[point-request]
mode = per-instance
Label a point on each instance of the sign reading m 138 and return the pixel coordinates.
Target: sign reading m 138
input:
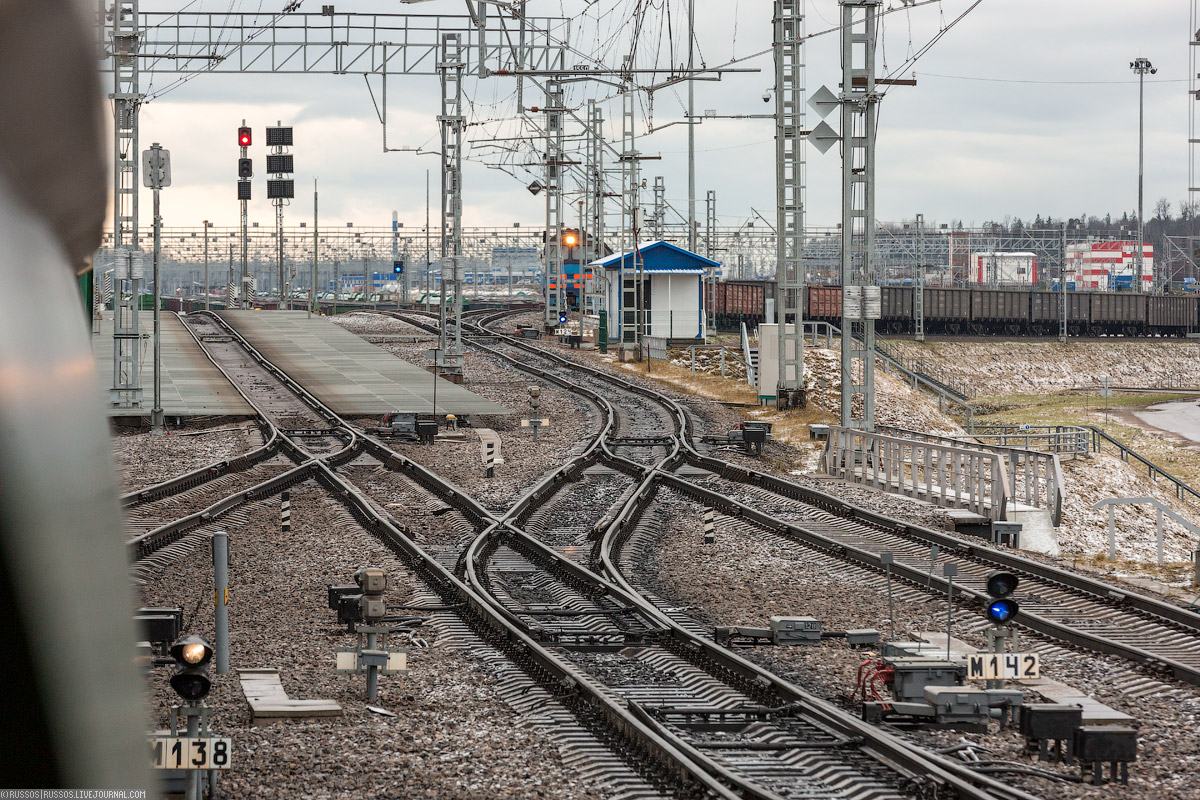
(1002, 666)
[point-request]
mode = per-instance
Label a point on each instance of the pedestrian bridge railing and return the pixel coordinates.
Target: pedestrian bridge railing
(1034, 477)
(946, 473)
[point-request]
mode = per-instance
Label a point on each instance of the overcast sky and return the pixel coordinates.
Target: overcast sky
(1023, 107)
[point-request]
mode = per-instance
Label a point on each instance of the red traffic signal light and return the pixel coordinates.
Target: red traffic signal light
(243, 137)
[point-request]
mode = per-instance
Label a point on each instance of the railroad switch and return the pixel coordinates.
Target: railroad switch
(787, 631)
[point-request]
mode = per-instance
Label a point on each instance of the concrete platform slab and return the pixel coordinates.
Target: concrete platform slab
(347, 373)
(191, 385)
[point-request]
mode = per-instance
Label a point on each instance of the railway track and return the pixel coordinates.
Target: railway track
(1066, 607)
(548, 591)
(539, 567)
(637, 739)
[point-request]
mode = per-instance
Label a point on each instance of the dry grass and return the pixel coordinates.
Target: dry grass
(1173, 453)
(680, 378)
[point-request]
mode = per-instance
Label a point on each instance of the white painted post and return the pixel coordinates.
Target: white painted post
(1158, 532)
(1112, 534)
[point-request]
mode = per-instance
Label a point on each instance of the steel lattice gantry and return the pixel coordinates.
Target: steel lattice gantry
(858, 101)
(191, 43)
(555, 159)
(451, 123)
(789, 197)
(126, 389)
(342, 43)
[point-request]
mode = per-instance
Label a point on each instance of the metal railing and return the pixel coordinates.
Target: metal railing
(1079, 440)
(725, 353)
(1073, 439)
(945, 394)
(1035, 477)
(944, 474)
(1182, 490)
(925, 368)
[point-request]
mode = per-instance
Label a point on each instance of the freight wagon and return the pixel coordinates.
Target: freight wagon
(986, 312)
(999, 311)
(739, 301)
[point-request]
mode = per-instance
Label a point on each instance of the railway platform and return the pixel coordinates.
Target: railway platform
(348, 374)
(191, 384)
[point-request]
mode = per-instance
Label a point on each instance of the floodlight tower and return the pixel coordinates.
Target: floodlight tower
(1140, 66)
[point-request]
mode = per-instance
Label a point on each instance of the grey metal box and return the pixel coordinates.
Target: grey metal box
(1105, 743)
(795, 629)
(912, 674)
(336, 593)
(1050, 721)
(959, 704)
(862, 637)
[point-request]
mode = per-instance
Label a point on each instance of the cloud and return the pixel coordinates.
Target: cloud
(950, 148)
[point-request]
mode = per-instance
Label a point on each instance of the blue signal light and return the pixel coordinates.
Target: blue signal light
(562, 318)
(1002, 610)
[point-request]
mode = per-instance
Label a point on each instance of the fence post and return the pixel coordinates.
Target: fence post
(220, 556)
(1158, 533)
(1112, 533)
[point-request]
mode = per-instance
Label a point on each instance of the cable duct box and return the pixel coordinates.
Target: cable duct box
(795, 630)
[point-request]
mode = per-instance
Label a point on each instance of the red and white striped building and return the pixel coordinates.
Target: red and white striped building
(1106, 266)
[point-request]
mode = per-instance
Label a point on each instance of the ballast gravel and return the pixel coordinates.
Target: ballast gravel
(143, 459)
(452, 737)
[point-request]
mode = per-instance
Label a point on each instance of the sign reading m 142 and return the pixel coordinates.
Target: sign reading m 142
(1002, 666)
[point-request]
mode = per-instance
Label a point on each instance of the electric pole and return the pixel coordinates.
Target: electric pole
(1140, 66)
(451, 120)
(126, 389)
(691, 127)
(919, 288)
(789, 200)
(207, 225)
(156, 173)
(860, 294)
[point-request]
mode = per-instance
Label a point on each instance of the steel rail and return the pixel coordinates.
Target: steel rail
(1090, 587)
(146, 544)
(1093, 589)
(1099, 591)
(209, 472)
(921, 578)
(886, 748)
(523, 649)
